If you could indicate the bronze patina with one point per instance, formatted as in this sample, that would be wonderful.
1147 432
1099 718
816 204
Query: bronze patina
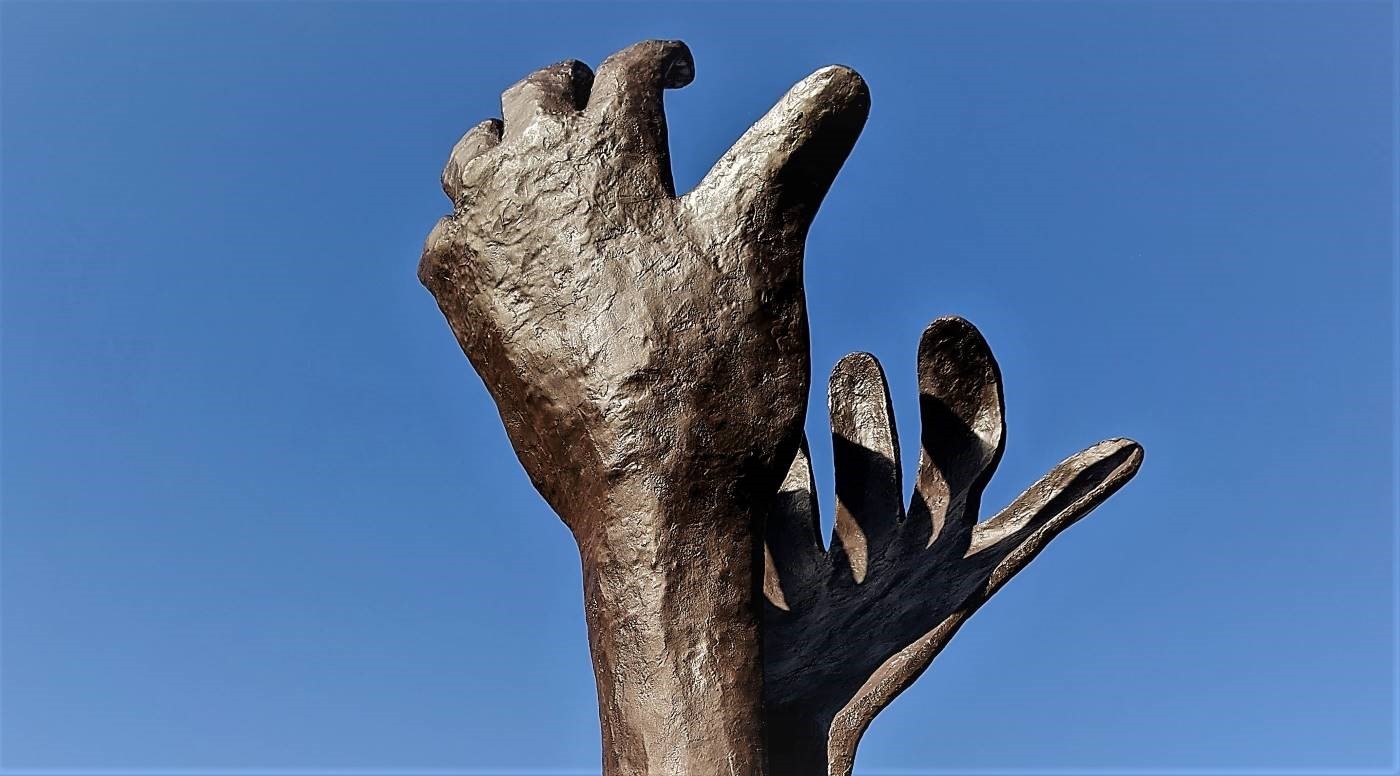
648 354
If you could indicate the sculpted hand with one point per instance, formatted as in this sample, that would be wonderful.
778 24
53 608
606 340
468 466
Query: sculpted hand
624 332
846 630
648 355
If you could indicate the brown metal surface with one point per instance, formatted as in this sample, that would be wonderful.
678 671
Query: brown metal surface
847 629
648 355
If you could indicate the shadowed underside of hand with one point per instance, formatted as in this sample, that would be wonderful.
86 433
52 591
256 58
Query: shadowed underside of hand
849 628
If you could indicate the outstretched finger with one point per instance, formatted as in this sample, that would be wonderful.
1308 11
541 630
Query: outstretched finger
626 98
963 429
782 167
865 450
1069 492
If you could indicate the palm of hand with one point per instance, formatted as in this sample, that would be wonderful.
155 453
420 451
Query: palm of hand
846 630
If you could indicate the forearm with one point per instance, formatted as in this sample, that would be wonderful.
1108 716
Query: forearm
673 627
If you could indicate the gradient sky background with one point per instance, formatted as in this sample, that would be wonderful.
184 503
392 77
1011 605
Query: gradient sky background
258 511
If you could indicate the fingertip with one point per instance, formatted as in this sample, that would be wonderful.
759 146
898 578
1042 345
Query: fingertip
476 141
951 352
667 64
580 76
842 84
1129 452
679 65
833 102
571 80
1120 447
857 391
948 329
1107 465
559 89
857 370
488 131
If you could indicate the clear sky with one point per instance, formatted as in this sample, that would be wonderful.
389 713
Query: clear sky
258 511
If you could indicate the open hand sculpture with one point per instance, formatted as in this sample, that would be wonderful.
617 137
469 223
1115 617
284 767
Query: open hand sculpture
648 355
848 629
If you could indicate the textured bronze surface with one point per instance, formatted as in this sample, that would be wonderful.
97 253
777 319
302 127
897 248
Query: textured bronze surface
846 630
648 355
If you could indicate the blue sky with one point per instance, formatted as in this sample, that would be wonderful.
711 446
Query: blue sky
258 511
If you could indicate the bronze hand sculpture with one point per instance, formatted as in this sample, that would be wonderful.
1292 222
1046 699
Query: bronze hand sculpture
648 354
848 629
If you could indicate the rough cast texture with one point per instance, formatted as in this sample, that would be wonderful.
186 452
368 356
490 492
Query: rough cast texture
847 629
648 355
